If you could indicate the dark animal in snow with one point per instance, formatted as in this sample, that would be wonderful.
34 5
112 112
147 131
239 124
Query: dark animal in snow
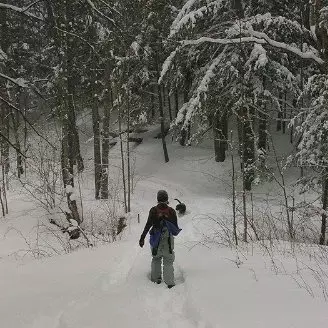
181 207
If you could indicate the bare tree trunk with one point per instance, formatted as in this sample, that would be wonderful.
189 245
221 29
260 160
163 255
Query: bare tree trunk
67 171
279 121
153 103
234 224
25 104
2 204
291 137
15 125
246 146
4 110
322 34
324 207
247 173
96 149
74 140
187 87
105 152
4 128
70 153
176 101
169 104
128 152
245 212
245 180
161 112
220 135
263 133
284 114
122 160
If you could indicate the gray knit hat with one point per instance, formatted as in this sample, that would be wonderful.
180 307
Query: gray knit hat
162 196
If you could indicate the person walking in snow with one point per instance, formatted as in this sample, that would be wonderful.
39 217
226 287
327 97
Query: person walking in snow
163 225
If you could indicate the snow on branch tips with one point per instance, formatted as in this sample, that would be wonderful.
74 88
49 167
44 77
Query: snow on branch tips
23 11
185 10
194 15
202 89
260 38
167 64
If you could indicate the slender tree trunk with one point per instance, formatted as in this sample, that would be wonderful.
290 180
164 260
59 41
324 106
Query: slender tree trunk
161 112
220 135
243 164
234 224
291 137
245 212
122 161
187 87
284 114
128 152
176 101
96 149
4 110
324 207
67 171
246 146
105 151
74 141
279 121
263 135
2 204
70 142
153 103
169 104
4 188
19 159
4 128
25 104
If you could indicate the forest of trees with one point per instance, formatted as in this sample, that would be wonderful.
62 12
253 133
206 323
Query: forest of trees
225 69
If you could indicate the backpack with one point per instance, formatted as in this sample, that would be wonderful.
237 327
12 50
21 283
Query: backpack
155 235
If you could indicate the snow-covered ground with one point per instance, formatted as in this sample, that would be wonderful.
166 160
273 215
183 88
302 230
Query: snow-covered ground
108 286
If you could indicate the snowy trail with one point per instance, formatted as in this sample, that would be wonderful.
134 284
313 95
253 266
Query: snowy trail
125 295
133 300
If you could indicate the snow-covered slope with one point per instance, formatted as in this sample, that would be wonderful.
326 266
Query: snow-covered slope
108 286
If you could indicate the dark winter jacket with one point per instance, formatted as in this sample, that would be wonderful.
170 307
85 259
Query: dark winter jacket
153 220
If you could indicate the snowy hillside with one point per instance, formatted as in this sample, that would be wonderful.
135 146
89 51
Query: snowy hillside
108 286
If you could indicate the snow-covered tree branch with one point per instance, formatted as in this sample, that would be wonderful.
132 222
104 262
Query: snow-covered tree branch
260 38
23 11
19 82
